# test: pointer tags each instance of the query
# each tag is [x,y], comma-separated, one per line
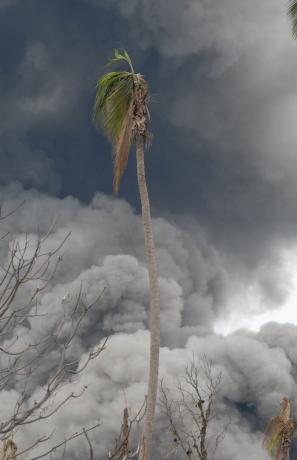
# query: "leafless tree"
[191,410]
[30,263]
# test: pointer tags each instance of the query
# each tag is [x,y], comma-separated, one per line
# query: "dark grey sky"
[223,85]
[49,70]
[222,78]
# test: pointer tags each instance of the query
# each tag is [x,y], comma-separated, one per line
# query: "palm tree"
[279,433]
[121,107]
[293,14]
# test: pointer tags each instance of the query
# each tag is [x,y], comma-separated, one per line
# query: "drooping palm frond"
[112,101]
[292,11]
[279,433]
[113,109]
[122,149]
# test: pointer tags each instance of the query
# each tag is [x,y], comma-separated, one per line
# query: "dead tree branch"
[190,413]
[26,272]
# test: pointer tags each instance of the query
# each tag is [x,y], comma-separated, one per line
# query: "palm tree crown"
[293,14]
[121,108]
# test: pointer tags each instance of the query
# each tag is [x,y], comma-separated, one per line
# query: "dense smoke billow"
[102,258]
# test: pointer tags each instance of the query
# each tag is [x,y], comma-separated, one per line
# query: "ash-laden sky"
[222,177]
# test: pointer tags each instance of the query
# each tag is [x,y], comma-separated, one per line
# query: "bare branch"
[31,264]
[60,444]
[189,414]
[90,444]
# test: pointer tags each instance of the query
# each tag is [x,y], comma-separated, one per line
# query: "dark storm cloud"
[222,78]
[5,3]
[101,255]
[18,161]
[47,79]
[222,117]
[231,97]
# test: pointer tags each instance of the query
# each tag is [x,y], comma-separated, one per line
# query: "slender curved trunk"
[154,305]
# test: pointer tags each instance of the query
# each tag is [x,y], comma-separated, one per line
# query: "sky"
[221,173]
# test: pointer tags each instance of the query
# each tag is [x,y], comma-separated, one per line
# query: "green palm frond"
[122,149]
[292,11]
[119,57]
[112,101]
[113,110]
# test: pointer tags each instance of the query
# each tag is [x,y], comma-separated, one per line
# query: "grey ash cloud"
[100,256]
[255,375]
[221,172]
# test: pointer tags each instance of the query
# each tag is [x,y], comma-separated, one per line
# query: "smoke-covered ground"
[105,256]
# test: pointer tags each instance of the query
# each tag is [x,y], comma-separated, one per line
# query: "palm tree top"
[120,98]
[292,11]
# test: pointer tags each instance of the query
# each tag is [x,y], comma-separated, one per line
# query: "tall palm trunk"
[154,304]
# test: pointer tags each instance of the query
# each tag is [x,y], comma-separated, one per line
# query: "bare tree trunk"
[154,305]
[203,449]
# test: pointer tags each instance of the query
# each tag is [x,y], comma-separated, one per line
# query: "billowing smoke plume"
[104,256]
